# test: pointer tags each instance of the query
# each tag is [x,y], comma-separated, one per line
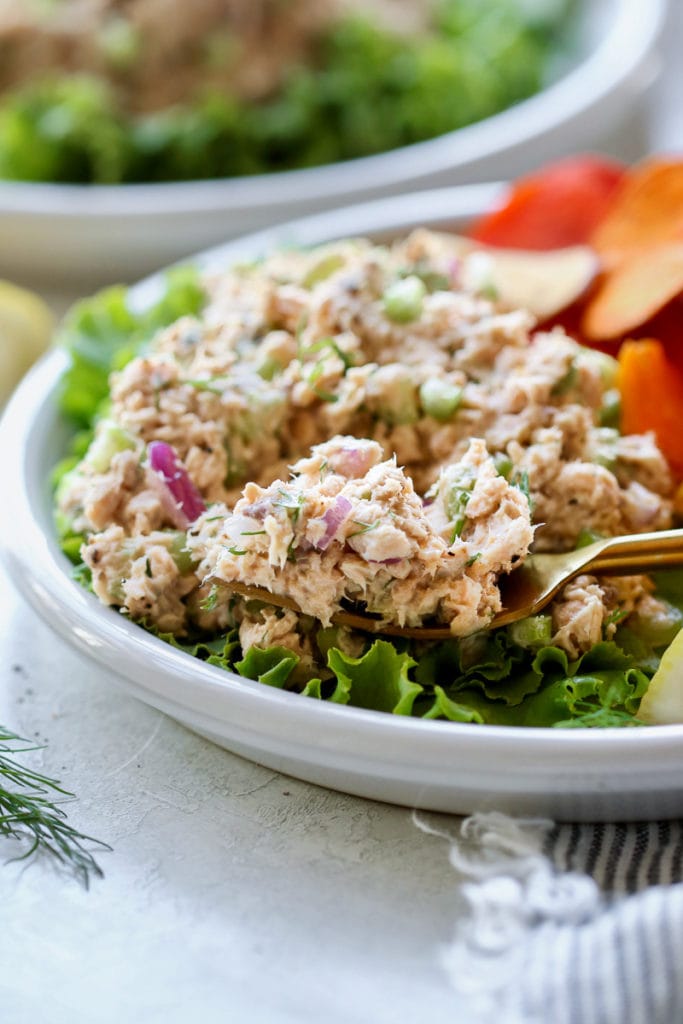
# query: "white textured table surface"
[232,893]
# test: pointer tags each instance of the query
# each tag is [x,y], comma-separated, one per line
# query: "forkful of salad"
[529,589]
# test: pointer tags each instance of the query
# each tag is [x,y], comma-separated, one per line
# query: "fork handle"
[642,552]
[628,566]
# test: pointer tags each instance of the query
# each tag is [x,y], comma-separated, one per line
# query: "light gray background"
[232,893]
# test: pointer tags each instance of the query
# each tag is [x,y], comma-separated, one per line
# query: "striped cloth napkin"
[568,924]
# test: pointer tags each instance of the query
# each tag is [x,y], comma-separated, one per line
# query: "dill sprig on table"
[30,812]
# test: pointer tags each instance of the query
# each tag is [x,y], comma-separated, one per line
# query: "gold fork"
[527,590]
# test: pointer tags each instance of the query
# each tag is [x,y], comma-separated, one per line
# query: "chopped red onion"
[353,462]
[258,509]
[180,498]
[333,519]
[455,271]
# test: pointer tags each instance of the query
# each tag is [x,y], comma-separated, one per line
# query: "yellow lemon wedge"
[26,325]
[663,701]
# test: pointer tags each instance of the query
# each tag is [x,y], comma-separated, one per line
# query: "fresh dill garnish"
[616,616]
[211,384]
[323,469]
[364,527]
[521,482]
[333,346]
[148,568]
[473,559]
[251,533]
[30,811]
[236,551]
[312,381]
[458,527]
[458,494]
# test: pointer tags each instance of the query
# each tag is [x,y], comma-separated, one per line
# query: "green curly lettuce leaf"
[507,686]
[103,333]
[272,666]
[378,680]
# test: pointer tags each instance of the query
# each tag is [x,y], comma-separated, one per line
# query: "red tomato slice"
[558,206]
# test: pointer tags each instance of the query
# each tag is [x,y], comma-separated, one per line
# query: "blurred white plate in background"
[84,236]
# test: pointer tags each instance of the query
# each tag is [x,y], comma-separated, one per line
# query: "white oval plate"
[568,774]
[105,232]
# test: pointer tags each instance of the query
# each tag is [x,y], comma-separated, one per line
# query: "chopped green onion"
[606,365]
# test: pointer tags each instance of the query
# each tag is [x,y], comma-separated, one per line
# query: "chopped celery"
[610,410]
[71,546]
[604,448]
[440,399]
[269,368]
[63,468]
[120,42]
[403,300]
[534,632]
[503,464]
[108,442]
[605,364]
[324,268]
[397,404]
[180,553]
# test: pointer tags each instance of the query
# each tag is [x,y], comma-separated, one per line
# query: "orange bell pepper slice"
[634,291]
[651,389]
[647,211]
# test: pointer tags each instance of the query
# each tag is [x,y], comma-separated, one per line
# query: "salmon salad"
[365,428]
